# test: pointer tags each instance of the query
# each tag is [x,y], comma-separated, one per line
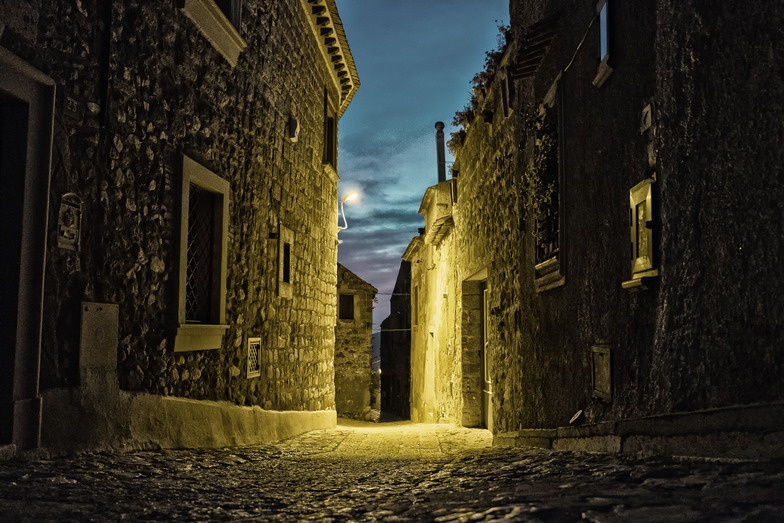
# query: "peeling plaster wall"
[138,85]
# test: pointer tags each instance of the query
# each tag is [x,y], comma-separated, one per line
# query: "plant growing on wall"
[479,83]
[540,181]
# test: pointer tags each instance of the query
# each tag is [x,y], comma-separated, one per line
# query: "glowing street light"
[347,198]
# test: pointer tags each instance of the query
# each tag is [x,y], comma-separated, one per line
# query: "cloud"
[415,69]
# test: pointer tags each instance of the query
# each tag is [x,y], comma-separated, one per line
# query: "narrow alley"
[387,472]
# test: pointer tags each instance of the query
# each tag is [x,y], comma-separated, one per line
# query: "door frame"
[487,380]
[23,82]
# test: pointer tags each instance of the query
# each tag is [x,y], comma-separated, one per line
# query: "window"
[603,11]
[641,222]
[201,304]
[330,133]
[254,357]
[545,185]
[219,22]
[346,307]
[285,246]
[201,238]
[286,277]
[232,9]
[604,40]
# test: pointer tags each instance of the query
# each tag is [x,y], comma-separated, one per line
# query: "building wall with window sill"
[489,235]
[601,154]
[353,345]
[674,345]
[138,86]
[470,228]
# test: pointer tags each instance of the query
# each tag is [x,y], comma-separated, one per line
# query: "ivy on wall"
[540,181]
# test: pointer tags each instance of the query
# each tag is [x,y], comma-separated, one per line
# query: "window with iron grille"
[545,182]
[201,295]
[198,272]
[254,357]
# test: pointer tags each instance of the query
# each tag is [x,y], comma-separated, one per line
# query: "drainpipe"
[440,151]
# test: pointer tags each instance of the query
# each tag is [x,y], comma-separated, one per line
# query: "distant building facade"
[177,236]
[353,346]
[615,193]
[396,348]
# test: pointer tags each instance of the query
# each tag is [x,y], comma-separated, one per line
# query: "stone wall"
[353,346]
[138,85]
[676,345]
[490,231]
[575,332]
[480,251]
[719,84]
[601,156]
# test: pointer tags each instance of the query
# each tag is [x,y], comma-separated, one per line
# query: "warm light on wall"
[347,198]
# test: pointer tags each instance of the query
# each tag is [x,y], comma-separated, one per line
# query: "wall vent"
[254,357]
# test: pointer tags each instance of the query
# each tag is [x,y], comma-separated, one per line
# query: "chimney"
[440,151]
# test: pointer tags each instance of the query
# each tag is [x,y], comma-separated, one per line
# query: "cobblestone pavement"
[387,472]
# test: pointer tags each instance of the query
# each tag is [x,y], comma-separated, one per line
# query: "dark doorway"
[487,382]
[13,152]
[26,125]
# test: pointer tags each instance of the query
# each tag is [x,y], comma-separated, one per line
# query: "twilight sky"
[415,60]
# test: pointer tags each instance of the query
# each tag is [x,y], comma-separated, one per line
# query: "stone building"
[615,236]
[396,348]
[171,211]
[353,345]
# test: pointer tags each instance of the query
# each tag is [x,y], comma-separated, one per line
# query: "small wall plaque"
[69,222]
[601,372]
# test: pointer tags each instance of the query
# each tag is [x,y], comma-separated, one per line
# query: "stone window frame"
[605,54]
[551,273]
[216,27]
[642,253]
[353,302]
[285,262]
[253,369]
[203,336]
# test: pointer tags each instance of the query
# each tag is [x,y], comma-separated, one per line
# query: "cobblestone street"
[387,472]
